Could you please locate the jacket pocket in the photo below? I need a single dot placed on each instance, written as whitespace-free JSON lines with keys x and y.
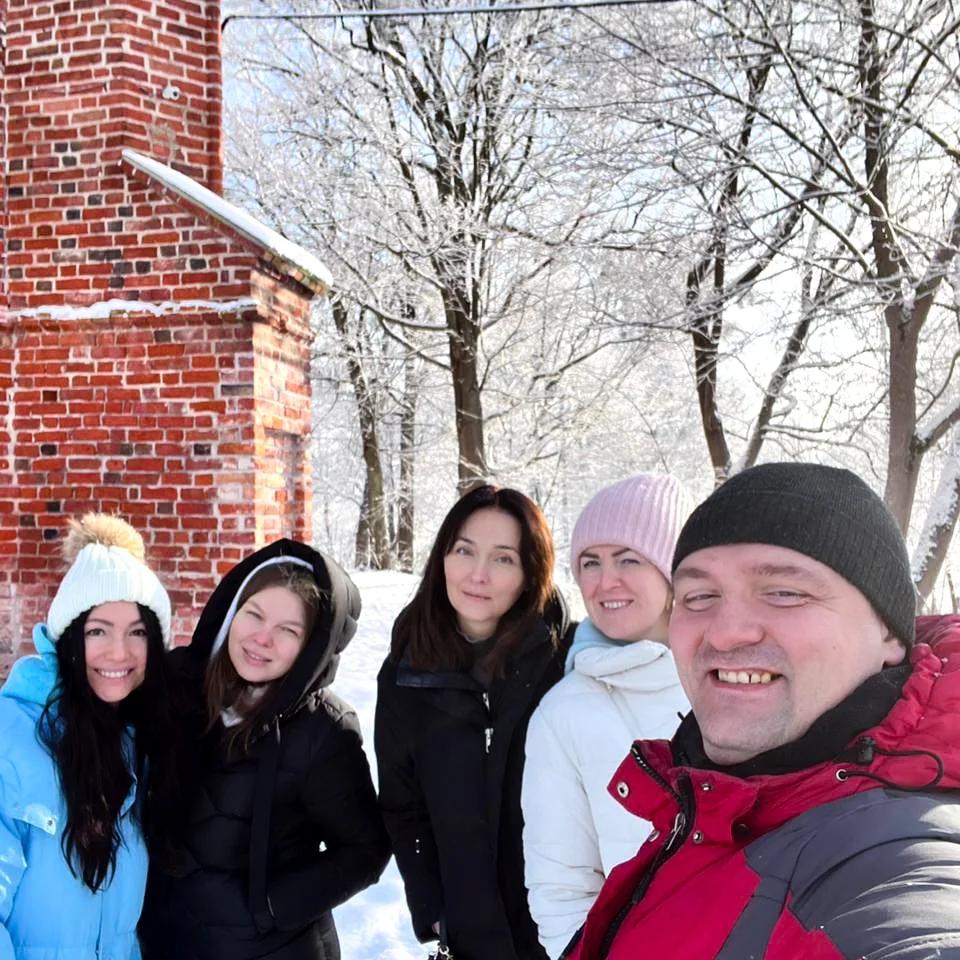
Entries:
{"x":36,"y":815}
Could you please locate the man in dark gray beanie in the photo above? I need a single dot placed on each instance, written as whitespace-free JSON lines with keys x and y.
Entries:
{"x":808,"y":806}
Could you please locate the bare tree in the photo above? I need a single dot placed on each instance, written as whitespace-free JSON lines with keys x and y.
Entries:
{"x":802,"y":129}
{"x":532,"y":210}
{"x":893,"y":100}
{"x":424,"y":157}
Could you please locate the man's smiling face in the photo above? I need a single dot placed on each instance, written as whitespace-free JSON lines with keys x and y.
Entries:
{"x":766,"y":640}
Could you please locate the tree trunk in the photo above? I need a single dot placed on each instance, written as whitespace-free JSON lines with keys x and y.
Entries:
{"x":903,"y":452}
{"x":705,"y":349}
{"x":361,"y":543}
{"x":373,"y":511}
{"x":938,"y":530}
{"x":463,"y":339}
{"x":405,"y":502}
{"x":379,"y":540}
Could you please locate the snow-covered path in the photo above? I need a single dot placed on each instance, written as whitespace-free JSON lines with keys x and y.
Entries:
{"x":374,"y":925}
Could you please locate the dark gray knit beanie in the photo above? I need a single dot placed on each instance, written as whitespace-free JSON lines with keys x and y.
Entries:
{"x":823,"y":512}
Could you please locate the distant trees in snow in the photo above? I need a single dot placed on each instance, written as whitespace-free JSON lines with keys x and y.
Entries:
{"x":745,"y":214}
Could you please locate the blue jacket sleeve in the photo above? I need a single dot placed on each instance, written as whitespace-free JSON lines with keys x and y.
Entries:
{"x":12,"y":860}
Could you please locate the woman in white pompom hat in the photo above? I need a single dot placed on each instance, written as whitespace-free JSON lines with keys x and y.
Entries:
{"x":81,"y":724}
{"x":621,"y":685}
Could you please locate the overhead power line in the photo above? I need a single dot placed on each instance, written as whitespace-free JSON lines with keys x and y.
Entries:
{"x":402,"y":12}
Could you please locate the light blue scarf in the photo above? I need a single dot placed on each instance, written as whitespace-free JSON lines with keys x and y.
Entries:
{"x":587,"y":635}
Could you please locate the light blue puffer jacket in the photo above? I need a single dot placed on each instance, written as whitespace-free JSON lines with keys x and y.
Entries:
{"x":46,"y":913}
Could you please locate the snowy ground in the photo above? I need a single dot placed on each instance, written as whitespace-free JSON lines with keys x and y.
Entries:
{"x":374,"y":925}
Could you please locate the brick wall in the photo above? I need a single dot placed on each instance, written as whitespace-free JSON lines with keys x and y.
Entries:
{"x":191,"y":426}
{"x":152,"y":362}
{"x":82,"y":82}
{"x":3,"y":142}
{"x":9,"y":630}
{"x":282,"y":489}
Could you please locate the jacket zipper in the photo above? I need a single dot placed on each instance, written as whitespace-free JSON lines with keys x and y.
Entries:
{"x":681,"y":828}
{"x":487,"y":731}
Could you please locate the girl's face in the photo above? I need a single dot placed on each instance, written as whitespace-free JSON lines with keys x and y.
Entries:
{"x":115,"y":650}
{"x":483,"y":573}
{"x":626,"y":596}
{"x":267,"y":634}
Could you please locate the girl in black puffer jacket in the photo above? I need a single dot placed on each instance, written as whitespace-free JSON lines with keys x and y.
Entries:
{"x":279,"y":822}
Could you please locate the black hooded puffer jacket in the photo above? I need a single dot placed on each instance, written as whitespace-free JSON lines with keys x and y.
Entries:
{"x":274,"y":839}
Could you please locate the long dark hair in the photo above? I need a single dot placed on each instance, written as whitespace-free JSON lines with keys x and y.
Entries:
{"x":224,"y":687}
{"x":86,"y":738}
{"x":426,"y":629}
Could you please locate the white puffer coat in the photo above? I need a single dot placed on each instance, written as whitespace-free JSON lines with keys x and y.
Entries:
{"x":575,"y":833}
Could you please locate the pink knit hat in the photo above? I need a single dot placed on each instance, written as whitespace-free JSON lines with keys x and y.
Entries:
{"x":644,"y":513}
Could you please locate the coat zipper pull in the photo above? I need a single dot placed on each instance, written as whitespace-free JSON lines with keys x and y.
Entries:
{"x":487,"y":731}
{"x":679,"y":822}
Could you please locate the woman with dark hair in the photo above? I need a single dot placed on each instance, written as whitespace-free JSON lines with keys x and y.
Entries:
{"x":82,"y":725}
{"x":280,"y":821}
{"x":472,"y":654}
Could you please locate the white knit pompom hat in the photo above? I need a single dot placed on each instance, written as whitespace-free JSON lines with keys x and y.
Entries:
{"x":106,"y":565}
{"x":644,"y":513}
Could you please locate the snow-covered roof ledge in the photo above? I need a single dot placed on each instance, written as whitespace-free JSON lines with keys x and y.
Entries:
{"x":301,"y":264}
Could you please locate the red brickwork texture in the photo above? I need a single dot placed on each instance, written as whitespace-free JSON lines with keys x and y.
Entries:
{"x":152,"y":363}
{"x":3,"y":145}
{"x":283,"y":426}
{"x":191,"y":427}
{"x":8,"y":630}
{"x":82,"y":82}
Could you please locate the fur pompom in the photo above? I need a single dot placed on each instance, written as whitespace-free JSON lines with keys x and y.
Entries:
{"x":105,"y":529}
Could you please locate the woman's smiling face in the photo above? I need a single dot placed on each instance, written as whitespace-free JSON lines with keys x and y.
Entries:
{"x":267,"y":634}
{"x":626,"y":596}
{"x":483,"y":573}
{"x":115,"y":650}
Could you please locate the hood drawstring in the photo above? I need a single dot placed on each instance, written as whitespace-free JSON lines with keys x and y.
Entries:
{"x":865,"y":749}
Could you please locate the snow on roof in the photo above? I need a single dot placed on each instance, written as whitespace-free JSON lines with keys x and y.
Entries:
{"x":305,"y":266}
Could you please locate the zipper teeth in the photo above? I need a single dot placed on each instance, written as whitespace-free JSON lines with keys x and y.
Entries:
{"x":655,"y":776}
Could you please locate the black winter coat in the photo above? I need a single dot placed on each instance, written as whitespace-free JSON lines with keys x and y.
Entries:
{"x":275,"y":838}
{"x":450,"y":761}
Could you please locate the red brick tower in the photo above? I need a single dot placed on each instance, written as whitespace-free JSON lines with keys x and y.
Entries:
{"x":154,"y":341}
